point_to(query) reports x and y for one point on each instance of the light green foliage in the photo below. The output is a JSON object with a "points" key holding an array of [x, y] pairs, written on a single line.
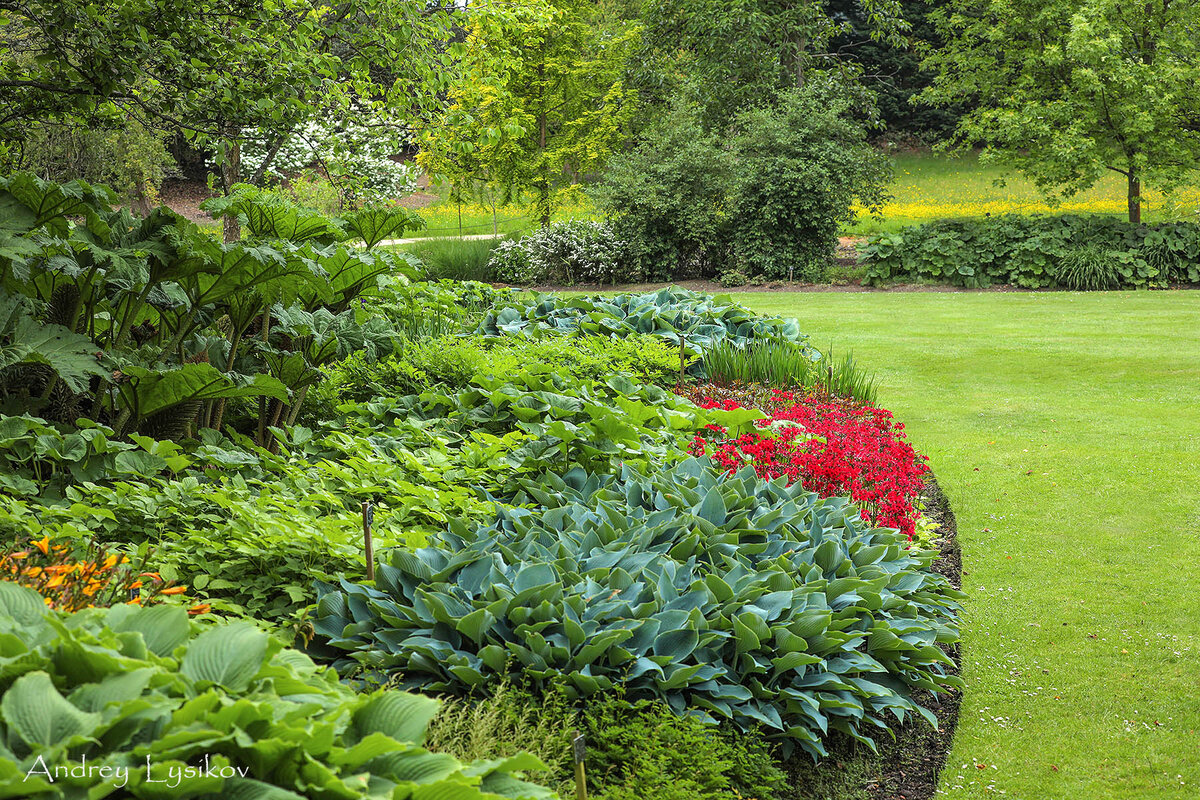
{"points": [[684, 585], [691, 320], [571, 422], [1065, 90], [1003, 391], [127, 686], [634, 750], [457, 259], [644, 749], [246, 527], [1036, 252], [540, 101], [456, 361]]}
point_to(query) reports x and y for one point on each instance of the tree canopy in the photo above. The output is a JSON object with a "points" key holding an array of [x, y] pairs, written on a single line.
{"points": [[1068, 89]]}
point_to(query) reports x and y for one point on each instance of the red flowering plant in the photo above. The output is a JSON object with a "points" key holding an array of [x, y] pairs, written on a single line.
{"points": [[832, 445]]}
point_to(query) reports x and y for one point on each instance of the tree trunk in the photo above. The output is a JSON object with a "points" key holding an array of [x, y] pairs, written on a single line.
{"points": [[1135, 197], [231, 169]]}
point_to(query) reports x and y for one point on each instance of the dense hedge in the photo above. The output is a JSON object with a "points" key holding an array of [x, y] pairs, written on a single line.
{"points": [[1034, 252]]}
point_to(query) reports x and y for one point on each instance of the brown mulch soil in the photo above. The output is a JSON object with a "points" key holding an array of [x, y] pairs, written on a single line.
{"points": [[185, 197]]}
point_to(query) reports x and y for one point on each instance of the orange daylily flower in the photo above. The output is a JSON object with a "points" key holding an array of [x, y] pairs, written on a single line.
{"points": [[43, 545], [201, 608], [174, 590]]}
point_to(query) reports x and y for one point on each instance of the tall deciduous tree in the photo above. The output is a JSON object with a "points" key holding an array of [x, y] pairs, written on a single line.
{"points": [[539, 104], [1070, 89], [218, 68], [728, 55]]}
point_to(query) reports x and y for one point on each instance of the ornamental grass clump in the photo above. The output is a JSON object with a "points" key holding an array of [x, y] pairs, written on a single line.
{"points": [[726, 596]]}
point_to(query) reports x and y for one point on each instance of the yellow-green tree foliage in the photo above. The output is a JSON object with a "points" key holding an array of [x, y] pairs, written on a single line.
{"points": [[538, 104]]}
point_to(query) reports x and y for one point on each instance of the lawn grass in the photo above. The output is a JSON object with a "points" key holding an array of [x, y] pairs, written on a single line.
{"points": [[442, 218], [1065, 429], [928, 187]]}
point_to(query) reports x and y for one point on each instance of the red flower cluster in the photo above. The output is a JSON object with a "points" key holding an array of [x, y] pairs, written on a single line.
{"points": [[832, 446]]}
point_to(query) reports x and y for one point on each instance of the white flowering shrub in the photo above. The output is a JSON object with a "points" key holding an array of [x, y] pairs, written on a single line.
{"points": [[575, 251], [352, 152]]}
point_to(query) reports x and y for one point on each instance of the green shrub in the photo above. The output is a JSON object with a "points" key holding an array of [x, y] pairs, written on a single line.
{"points": [[668, 198], [645, 750], [671, 314], [146, 691], [803, 164], [1033, 251], [739, 599], [507, 722]]}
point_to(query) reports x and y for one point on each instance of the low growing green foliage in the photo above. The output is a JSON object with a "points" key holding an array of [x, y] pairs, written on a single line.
{"points": [[1037, 252], [729, 597], [700, 320], [645, 750], [455, 361], [125, 687]]}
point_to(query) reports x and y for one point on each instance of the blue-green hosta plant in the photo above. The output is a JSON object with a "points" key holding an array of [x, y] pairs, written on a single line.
{"points": [[671, 313], [128, 699], [726, 596]]}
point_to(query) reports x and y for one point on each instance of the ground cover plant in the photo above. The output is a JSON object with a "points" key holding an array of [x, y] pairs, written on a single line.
{"points": [[690, 320], [1067, 527], [708, 582], [831, 446], [1035, 252], [144, 693]]}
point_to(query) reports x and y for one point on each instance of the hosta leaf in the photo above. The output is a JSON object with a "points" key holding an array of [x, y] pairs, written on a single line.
{"points": [[39, 715], [400, 715], [230, 655]]}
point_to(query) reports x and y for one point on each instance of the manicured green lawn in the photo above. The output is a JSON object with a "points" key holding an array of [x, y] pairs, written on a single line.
{"points": [[928, 187], [1065, 429]]}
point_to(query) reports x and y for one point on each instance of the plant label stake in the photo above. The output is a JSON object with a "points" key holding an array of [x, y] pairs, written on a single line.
{"points": [[368, 516], [682, 356], [579, 751]]}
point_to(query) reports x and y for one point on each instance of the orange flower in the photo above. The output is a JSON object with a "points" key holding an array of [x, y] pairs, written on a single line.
{"points": [[110, 562], [201, 608], [43, 545], [175, 590], [154, 575], [137, 601]]}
